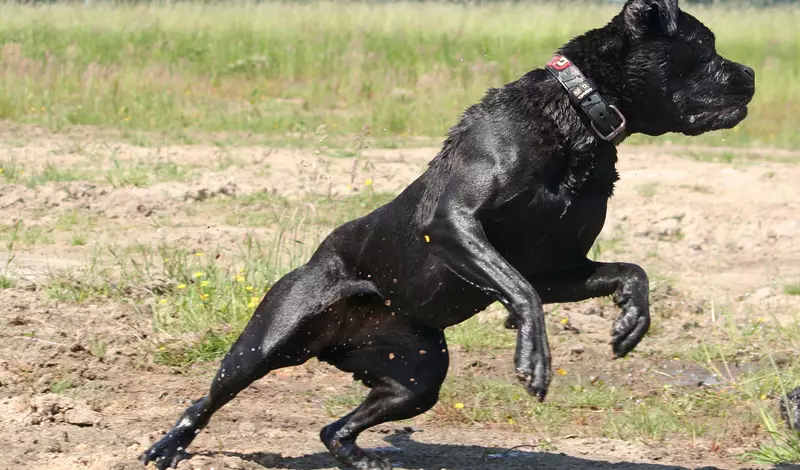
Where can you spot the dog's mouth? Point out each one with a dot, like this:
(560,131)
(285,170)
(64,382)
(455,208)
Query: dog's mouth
(725,117)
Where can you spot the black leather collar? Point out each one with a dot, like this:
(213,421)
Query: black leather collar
(607,122)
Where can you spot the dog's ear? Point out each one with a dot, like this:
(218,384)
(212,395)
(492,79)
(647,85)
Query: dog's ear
(654,16)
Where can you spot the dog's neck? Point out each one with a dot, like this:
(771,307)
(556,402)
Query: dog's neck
(593,55)
(596,57)
(605,119)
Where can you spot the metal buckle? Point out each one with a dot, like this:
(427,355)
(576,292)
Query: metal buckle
(614,133)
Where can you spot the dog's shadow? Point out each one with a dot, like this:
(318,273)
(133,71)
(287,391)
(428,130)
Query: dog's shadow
(406,453)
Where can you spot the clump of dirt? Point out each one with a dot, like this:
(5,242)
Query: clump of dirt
(47,409)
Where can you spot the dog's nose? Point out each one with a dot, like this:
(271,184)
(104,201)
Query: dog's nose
(749,71)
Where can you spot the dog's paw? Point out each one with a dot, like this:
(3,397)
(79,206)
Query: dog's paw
(628,331)
(165,453)
(535,385)
(370,461)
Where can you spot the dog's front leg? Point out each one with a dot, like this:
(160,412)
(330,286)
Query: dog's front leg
(626,282)
(457,237)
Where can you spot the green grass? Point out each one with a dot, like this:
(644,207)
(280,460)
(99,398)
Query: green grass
(141,174)
(7,282)
(284,69)
(792,289)
(593,408)
(264,209)
(62,385)
(766,348)
(477,334)
(53,173)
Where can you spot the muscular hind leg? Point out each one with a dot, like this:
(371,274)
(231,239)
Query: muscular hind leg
(285,330)
(404,374)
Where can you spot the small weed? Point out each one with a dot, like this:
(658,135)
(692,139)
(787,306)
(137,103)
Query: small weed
(479,333)
(141,174)
(647,191)
(645,422)
(78,240)
(207,347)
(784,444)
(11,171)
(61,385)
(697,188)
(52,173)
(5,281)
(345,401)
(792,289)
(37,236)
(98,348)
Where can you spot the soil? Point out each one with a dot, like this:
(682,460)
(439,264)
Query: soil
(709,233)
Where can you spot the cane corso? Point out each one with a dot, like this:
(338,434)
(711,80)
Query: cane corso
(507,211)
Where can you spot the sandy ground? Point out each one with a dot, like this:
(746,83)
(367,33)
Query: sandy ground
(724,234)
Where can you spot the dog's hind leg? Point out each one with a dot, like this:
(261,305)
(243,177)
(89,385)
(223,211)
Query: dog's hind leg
(404,373)
(286,329)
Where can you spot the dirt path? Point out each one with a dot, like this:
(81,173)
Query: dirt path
(722,233)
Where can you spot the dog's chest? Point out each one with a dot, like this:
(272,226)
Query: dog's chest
(542,226)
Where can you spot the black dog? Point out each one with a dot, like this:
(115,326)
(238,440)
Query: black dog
(507,212)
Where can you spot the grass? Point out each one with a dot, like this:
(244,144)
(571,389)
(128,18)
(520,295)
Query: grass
(792,289)
(62,385)
(7,282)
(588,408)
(283,69)
(140,174)
(264,209)
(479,333)
(768,349)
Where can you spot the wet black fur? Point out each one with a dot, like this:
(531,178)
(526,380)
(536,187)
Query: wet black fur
(507,211)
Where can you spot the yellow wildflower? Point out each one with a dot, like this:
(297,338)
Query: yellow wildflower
(181,286)
(561,371)
(239,278)
(162,301)
(204,296)
(427,239)
(199,274)
(249,288)
(368,182)
(204,283)
(458,406)
(199,253)
(565,321)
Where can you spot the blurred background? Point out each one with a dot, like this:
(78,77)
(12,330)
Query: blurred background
(401,70)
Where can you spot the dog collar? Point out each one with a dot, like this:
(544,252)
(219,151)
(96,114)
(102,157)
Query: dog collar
(607,121)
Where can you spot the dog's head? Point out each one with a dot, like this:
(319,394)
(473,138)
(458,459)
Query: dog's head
(673,78)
